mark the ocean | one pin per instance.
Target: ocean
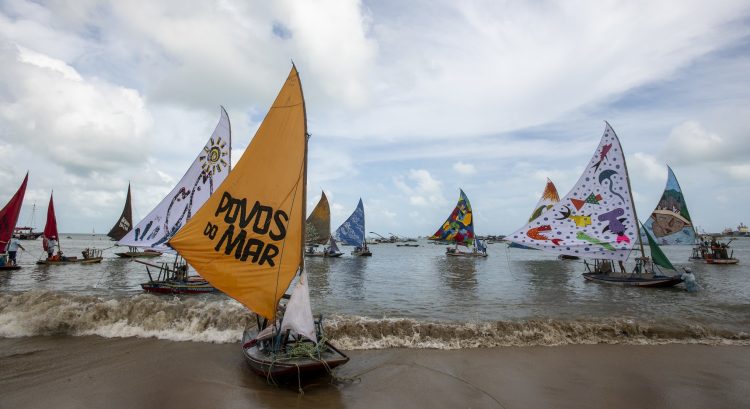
(412, 297)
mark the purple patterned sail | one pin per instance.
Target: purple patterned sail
(596, 218)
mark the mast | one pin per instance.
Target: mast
(630, 192)
(304, 178)
(229, 123)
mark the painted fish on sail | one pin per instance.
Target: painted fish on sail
(603, 223)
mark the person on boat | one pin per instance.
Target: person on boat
(689, 279)
(51, 244)
(13, 245)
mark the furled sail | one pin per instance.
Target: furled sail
(352, 231)
(670, 222)
(9, 214)
(247, 239)
(318, 224)
(549, 198)
(459, 227)
(596, 218)
(125, 222)
(203, 177)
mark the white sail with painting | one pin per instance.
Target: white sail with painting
(596, 219)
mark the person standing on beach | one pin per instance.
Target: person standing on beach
(12, 248)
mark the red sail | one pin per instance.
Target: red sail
(9, 214)
(50, 229)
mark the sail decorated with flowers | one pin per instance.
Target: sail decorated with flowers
(596, 218)
(125, 222)
(549, 198)
(203, 177)
(459, 227)
(318, 224)
(9, 214)
(247, 239)
(352, 231)
(670, 222)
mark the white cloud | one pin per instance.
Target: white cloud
(464, 168)
(425, 192)
(690, 142)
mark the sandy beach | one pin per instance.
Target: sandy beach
(93, 372)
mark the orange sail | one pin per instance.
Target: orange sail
(247, 239)
(318, 224)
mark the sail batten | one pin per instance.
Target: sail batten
(125, 222)
(596, 218)
(459, 226)
(670, 222)
(9, 214)
(203, 177)
(247, 238)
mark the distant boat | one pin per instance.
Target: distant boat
(27, 232)
(597, 219)
(52, 238)
(123, 225)
(352, 232)
(710, 250)
(8, 219)
(670, 222)
(549, 198)
(459, 230)
(318, 231)
(209, 170)
(255, 258)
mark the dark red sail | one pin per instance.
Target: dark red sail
(125, 222)
(50, 229)
(9, 214)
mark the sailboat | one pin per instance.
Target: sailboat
(549, 198)
(459, 229)
(123, 225)
(352, 232)
(318, 231)
(51, 242)
(248, 241)
(597, 219)
(8, 219)
(203, 177)
(27, 232)
(670, 222)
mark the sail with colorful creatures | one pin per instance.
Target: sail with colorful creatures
(352, 231)
(8, 219)
(549, 198)
(670, 222)
(248, 241)
(203, 177)
(125, 222)
(596, 218)
(458, 228)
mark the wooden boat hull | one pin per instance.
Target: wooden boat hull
(362, 253)
(27, 236)
(407, 245)
(139, 254)
(91, 260)
(10, 268)
(633, 281)
(460, 254)
(325, 255)
(719, 261)
(178, 287)
(567, 257)
(292, 369)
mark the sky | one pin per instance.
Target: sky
(407, 101)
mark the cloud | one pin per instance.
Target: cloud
(464, 168)
(690, 142)
(425, 191)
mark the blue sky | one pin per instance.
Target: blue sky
(407, 101)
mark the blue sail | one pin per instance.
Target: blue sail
(352, 231)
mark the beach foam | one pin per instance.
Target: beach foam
(42, 312)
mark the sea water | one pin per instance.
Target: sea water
(399, 297)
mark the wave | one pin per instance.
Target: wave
(42, 313)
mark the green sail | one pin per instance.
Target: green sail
(660, 259)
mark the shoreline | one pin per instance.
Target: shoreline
(68, 372)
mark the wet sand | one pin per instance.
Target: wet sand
(94, 372)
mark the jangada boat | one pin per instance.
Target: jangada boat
(597, 219)
(713, 251)
(123, 225)
(459, 229)
(248, 241)
(52, 239)
(318, 231)
(670, 222)
(8, 219)
(174, 278)
(352, 232)
(209, 169)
